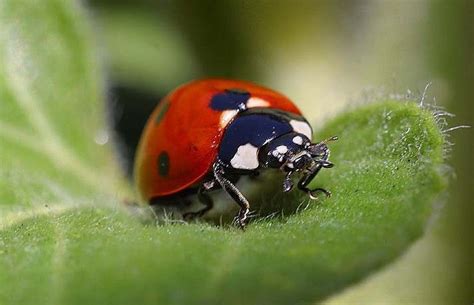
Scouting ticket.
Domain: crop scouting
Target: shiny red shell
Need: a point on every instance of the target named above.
(184, 132)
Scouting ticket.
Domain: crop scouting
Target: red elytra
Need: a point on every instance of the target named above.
(181, 138)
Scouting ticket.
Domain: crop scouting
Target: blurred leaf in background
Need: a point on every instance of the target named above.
(52, 112)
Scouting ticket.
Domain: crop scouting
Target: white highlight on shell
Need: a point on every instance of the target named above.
(246, 157)
(298, 140)
(302, 127)
(257, 102)
(226, 117)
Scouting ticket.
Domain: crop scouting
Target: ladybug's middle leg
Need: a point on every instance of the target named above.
(233, 192)
(203, 198)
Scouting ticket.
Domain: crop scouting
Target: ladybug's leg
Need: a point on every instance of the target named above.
(306, 179)
(233, 192)
(203, 198)
(318, 149)
(287, 182)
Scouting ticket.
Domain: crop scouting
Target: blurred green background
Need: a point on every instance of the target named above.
(325, 55)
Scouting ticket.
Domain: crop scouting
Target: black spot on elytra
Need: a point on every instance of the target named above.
(230, 99)
(161, 114)
(163, 164)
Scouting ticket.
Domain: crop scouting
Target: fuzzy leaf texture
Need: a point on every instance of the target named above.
(62, 242)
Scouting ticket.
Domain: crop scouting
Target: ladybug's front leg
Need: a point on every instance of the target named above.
(306, 179)
(234, 192)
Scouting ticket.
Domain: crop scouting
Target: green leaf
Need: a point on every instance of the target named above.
(386, 178)
(51, 117)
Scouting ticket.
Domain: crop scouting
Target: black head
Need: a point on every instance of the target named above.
(294, 153)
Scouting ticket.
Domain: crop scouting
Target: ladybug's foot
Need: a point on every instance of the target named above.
(241, 218)
(189, 216)
(287, 183)
(313, 193)
(326, 164)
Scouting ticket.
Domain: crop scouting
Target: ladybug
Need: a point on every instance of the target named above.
(207, 134)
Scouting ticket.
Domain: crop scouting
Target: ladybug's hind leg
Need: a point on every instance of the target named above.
(203, 198)
(234, 192)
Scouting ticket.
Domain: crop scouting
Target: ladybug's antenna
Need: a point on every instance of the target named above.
(333, 138)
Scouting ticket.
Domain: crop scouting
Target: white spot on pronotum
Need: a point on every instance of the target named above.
(246, 157)
(298, 140)
(226, 117)
(302, 127)
(257, 102)
(282, 149)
